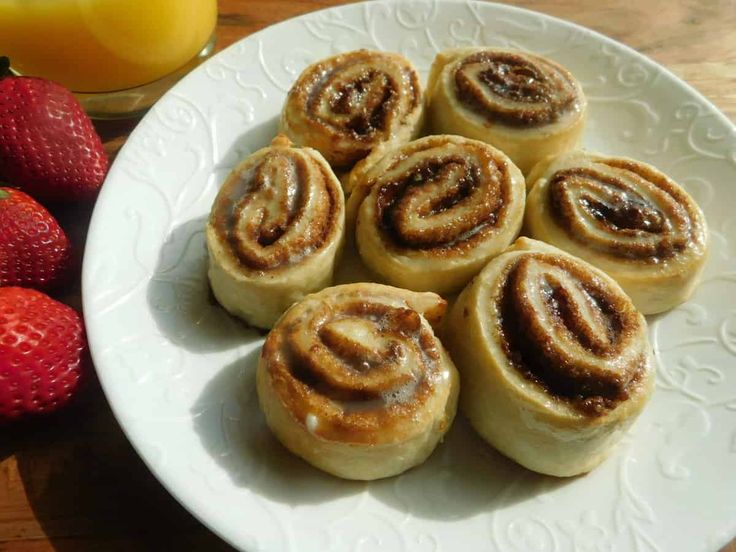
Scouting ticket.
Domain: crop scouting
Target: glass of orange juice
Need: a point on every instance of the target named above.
(118, 56)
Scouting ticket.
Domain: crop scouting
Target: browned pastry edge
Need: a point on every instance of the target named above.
(257, 237)
(478, 182)
(356, 394)
(365, 108)
(604, 323)
(538, 91)
(618, 206)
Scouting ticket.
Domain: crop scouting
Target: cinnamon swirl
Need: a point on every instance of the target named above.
(353, 380)
(274, 232)
(526, 105)
(554, 358)
(431, 213)
(346, 105)
(626, 218)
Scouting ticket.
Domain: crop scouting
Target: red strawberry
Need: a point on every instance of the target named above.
(48, 146)
(34, 250)
(42, 345)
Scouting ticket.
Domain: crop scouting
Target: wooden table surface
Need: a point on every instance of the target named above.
(72, 482)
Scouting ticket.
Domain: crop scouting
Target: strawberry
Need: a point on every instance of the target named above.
(42, 347)
(34, 250)
(48, 146)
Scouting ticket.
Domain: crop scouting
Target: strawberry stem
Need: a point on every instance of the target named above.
(5, 67)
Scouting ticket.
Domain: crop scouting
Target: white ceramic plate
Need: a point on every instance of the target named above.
(178, 371)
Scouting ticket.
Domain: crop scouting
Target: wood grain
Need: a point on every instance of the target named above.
(73, 482)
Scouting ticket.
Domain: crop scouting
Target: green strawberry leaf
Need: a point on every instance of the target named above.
(5, 67)
(4, 194)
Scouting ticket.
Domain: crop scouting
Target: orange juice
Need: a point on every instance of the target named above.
(103, 45)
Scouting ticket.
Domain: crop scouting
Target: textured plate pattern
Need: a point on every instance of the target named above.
(179, 372)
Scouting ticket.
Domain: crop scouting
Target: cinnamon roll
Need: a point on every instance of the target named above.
(353, 380)
(346, 105)
(526, 105)
(431, 213)
(274, 232)
(553, 356)
(626, 218)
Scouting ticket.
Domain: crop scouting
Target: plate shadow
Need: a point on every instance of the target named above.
(180, 300)
(462, 478)
(232, 429)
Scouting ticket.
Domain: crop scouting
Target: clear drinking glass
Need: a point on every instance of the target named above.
(118, 56)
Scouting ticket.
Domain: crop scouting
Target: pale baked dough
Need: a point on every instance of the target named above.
(626, 218)
(554, 359)
(527, 106)
(347, 105)
(353, 380)
(274, 232)
(431, 213)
